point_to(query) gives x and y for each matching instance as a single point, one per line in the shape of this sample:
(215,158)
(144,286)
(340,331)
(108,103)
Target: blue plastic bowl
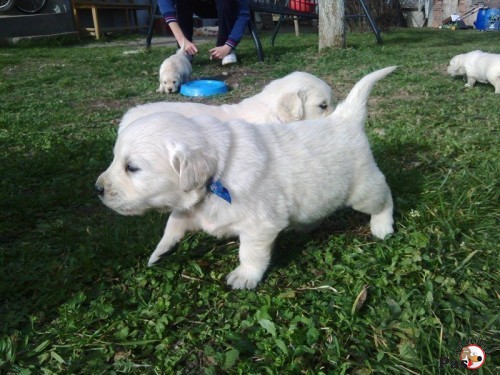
(203,87)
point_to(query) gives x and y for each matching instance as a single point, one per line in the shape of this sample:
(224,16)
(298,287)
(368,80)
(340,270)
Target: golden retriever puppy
(174,71)
(239,179)
(297,96)
(477,66)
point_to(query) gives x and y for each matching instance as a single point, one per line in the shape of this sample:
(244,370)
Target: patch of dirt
(233,78)
(243,82)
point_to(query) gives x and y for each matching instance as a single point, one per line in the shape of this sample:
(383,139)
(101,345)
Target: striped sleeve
(167,10)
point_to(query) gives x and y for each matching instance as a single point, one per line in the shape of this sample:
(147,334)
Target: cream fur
(477,66)
(297,96)
(174,71)
(278,177)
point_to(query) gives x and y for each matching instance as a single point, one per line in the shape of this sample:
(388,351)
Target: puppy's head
(299,96)
(456,66)
(159,163)
(170,81)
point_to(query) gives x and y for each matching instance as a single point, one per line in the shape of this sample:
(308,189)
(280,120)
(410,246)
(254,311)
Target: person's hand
(220,52)
(189,47)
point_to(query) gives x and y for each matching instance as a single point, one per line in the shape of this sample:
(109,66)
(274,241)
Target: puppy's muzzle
(99,189)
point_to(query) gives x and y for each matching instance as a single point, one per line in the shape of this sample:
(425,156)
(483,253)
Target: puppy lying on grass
(297,96)
(174,71)
(238,179)
(477,66)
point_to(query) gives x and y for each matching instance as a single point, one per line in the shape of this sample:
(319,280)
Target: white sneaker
(230,59)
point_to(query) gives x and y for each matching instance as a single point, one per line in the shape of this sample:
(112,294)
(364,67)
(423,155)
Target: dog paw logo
(472,357)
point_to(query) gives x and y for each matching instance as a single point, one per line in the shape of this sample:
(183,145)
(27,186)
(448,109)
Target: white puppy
(297,96)
(477,66)
(238,179)
(174,71)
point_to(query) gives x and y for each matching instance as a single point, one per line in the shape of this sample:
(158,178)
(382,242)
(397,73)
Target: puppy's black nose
(100,190)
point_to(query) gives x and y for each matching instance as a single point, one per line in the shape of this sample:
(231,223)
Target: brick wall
(443,9)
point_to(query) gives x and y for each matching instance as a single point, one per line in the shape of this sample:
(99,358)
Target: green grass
(76,295)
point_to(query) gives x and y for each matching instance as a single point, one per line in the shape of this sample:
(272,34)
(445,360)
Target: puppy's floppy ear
(195,167)
(290,107)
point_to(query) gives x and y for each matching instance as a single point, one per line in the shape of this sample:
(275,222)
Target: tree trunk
(331,23)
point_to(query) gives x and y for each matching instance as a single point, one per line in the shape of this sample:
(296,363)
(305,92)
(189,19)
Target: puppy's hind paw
(381,226)
(243,278)
(382,231)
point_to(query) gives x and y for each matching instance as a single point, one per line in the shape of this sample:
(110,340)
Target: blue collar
(218,189)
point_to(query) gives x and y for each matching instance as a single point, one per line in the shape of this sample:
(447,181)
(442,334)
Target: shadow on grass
(61,240)
(58,239)
(412,38)
(405,182)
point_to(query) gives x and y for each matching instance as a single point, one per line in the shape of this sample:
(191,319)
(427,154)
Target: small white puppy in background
(239,179)
(174,71)
(477,66)
(297,96)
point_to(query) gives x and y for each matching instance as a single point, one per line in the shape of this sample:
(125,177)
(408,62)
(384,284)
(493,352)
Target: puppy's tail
(354,106)
(182,50)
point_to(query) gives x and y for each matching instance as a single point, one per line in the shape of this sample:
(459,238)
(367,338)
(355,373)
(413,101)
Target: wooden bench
(127,6)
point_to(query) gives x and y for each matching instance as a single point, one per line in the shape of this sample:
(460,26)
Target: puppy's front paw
(155,257)
(160,251)
(152,260)
(243,278)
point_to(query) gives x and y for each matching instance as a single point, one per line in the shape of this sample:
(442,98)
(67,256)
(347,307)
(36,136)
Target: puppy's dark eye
(323,106)
(131,168)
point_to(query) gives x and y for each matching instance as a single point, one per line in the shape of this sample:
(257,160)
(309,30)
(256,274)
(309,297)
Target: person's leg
(205,8)
(185,17)
(227,11)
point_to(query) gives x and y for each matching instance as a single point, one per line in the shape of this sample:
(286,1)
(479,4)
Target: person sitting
(233,17)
